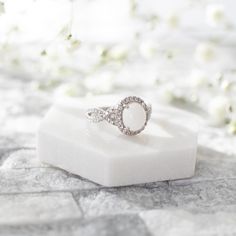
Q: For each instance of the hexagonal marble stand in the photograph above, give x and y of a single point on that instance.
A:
(165, 150)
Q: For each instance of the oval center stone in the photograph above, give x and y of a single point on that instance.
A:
(134, 116)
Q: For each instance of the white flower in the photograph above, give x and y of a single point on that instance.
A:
(226, 85)
(69, 90)
(100, 83)
(74, 45)
(218, 109)
(232, 127)
(173, 20)
(205, 52)
(2, 8)
(198, 78)
(215, 15)
(148, 49)
(118, 52)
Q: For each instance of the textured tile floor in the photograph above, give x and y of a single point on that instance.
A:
(37, 199)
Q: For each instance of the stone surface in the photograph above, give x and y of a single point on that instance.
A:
(212, 196)
(123, 200)
(134, 116)
(37, 199)
(118, 225)
(35, 208)
(184, 223)
(22, 158)
(40, 179)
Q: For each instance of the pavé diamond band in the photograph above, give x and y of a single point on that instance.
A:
(130, 115)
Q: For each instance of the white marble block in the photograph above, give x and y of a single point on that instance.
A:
(165, 150)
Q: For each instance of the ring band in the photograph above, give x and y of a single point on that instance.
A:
(130, 115)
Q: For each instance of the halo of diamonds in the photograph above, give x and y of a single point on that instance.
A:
(114, 115)
(124, 104)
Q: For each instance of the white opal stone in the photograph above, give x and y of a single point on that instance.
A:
(134, 116)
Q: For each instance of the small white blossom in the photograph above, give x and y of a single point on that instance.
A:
(65, 31)
(198, 78)
(2, 8)
(232, 127)
(215, 15)
(69, 90)
(205, 52)
(118, 52)
(148, 49)
(226, 85)
(74, 45)
(218, 109)
(173, 20)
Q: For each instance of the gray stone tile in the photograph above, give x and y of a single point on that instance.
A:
(5, 153)
(23, 158)
(208, 196)
(211, 168)
(28, 208)
(119, 225)
(122, 200)
(40, 179)
(153, 184)
(211, 165)
(184, 223)
(123, 225)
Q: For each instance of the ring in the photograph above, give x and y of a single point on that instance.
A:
(130, 115)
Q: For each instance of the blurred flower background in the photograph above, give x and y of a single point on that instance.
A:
(181, 52)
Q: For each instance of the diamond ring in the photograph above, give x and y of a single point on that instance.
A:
(130, 115)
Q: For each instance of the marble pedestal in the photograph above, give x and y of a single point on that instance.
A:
(165, 150)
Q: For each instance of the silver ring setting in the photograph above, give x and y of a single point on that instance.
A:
(130, 115)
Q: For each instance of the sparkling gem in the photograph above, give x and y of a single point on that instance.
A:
(134, 116)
